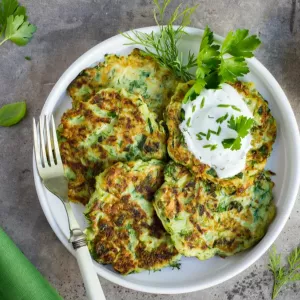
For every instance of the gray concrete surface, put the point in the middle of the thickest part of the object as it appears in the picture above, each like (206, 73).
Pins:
(68, 28)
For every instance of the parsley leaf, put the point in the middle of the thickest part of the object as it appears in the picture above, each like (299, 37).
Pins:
(213, 64)
(241, 125)
(233, 67)
(239, 44)
(13, 23)
(194, 91)
(209, 55)
(7, 8)
(18, 30)
(233, 144)
(227, 143)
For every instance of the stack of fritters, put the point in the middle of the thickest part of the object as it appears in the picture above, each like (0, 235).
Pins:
(112, 126)
(206, 215)
(115, 143)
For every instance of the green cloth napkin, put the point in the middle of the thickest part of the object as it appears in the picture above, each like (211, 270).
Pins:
(19, 279)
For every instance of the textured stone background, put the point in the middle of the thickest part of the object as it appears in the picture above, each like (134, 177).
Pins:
(68, 28)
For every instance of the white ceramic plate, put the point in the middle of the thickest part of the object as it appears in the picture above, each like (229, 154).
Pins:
(194, 274)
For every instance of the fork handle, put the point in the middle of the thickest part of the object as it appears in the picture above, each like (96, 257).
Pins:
(90, 279)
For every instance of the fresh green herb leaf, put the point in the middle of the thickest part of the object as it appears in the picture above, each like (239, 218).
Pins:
(27, 57)
(284, 274)
(175, 265)
(193, 108)
(212, 172)
(199, 137)
(233, 67)
(201, 134)
(241, 125)
(213, 64)
(209, 56)
(202, 102)
(182, 115)
(150, 126)
(232, 143)
(188, 123)
(11, 114)
(211, 146)
(194, 91)
(239, 44)
(235, 108)
(208, 134)
(113, 114)
(229, 105)
(13, 23)
(7, 8)
(163, 46)
(222, 119)
(18, 30)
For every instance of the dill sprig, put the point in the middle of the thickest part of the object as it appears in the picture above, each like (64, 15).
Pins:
(284, 274)
(163, 46)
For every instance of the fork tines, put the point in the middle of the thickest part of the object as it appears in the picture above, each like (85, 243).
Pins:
(45, 143)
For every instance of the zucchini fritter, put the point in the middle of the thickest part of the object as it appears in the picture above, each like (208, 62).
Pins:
(263, 136)
(137, 73)
(204, 219)
(112, 126)
(124, 230)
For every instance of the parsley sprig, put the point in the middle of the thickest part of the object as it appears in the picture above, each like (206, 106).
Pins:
(284, 274)
(218, 64)
(241, 125)
(13, 23)
(163, 45)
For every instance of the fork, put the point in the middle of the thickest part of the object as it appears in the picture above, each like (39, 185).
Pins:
(51, 171)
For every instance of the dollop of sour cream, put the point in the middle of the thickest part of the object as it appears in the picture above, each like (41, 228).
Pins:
(201, 115)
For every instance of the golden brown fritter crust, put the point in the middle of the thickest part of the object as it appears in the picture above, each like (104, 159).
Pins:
(124, 230)
(137, 73)
(205, 219)
(112, 126)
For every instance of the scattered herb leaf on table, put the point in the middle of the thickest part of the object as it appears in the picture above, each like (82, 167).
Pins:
(284, 274)
(11, 114)
(13, 23)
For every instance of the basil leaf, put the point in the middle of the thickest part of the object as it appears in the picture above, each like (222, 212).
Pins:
(11, 114)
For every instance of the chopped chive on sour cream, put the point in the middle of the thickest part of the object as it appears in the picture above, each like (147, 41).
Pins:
(216, 129)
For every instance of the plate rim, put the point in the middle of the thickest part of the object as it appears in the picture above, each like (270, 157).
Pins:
(257, 252)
